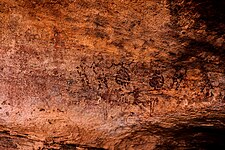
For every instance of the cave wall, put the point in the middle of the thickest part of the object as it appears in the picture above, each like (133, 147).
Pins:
(80, 71)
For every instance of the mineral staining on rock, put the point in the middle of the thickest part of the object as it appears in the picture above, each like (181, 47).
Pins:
(76, 73)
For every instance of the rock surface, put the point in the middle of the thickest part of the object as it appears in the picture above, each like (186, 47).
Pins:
(100, 74)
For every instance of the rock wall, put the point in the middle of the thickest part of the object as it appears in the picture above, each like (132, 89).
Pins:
(89, 74)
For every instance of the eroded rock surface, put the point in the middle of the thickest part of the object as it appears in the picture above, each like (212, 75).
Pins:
(94, 74)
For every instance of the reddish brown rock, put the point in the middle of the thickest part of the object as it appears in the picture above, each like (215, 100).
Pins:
(94, 74)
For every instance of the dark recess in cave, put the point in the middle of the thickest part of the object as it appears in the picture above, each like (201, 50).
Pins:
(212, 13)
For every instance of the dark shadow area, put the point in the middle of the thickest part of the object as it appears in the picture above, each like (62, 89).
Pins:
(211, 13)
(200, 133)
(195, 48)
(199, 54)
(205, 133)
(194, 137)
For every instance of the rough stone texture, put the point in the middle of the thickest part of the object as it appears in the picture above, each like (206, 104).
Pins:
(100, 74)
